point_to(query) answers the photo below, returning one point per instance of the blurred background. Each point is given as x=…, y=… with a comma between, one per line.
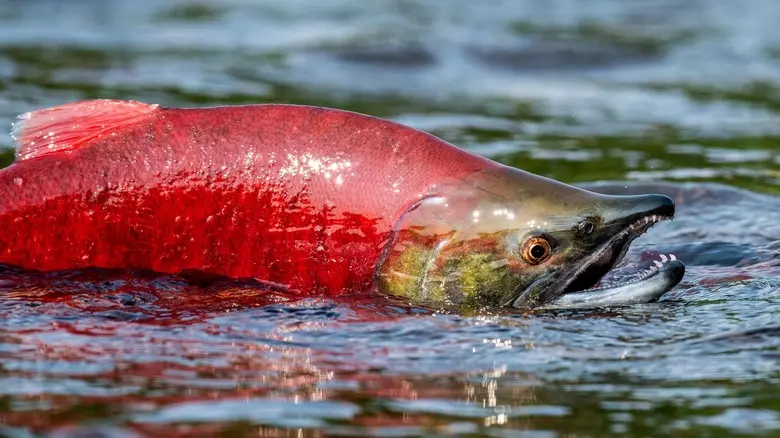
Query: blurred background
x=575, y=90
x=666, y=95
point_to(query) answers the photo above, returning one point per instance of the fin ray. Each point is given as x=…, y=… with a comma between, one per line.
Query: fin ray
x=67, y=127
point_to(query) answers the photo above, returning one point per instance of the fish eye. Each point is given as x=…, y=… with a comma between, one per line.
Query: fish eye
x=586, y=227
x=536, y=250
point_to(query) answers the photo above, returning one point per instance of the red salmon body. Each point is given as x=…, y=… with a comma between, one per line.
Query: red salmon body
x=301, y=196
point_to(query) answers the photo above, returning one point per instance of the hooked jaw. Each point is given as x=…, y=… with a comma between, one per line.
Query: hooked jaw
x=649, y=286
x=626, y=218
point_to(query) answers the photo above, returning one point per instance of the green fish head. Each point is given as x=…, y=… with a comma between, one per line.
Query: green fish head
x=505, y=237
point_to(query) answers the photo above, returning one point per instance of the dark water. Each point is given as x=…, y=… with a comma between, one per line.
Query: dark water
x=679, y=97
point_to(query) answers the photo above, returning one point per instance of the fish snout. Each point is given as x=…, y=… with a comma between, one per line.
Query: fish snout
x=629, y=209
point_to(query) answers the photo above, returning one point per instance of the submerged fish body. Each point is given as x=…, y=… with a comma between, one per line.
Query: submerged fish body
x=313, y=200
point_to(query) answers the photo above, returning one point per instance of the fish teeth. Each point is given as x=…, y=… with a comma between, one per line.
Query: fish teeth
x=657, y=263
x=672, y=257
x=664, y=258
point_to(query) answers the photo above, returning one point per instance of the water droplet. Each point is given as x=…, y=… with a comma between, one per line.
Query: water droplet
x=18, y=181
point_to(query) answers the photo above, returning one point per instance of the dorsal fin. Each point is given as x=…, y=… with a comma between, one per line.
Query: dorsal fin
x=66, y=127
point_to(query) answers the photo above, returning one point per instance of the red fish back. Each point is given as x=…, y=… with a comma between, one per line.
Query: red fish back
x=300, y=196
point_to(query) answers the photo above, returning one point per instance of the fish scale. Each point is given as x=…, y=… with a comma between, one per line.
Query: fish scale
x=124, y=184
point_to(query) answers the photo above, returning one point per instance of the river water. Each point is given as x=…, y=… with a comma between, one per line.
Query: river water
x=621, y=96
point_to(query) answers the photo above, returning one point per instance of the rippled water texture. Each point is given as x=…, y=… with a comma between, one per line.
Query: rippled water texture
x=677, y=97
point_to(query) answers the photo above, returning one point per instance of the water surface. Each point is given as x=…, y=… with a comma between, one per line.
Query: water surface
x=677, y=97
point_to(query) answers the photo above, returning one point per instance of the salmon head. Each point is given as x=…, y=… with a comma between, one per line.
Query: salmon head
x=504, y=237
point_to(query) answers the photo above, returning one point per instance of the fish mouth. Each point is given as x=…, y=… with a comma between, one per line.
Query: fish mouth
x=594, y=267
x=588, y=287
x=646, y=286
x=582, y=286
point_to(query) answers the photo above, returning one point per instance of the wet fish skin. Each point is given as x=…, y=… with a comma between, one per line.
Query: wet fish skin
x=308, y=200
x=299, y=196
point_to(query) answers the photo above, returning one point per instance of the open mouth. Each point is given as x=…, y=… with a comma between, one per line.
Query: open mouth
x=612, y=252
x=597, y=284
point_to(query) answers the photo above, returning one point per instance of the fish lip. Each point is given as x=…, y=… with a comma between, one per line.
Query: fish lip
x=630, y=232
x=647, y=288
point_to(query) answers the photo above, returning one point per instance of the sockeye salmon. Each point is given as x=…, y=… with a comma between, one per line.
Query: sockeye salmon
x=312, y=200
